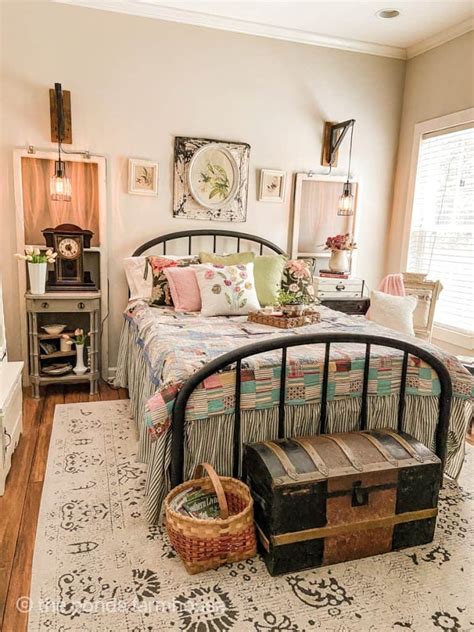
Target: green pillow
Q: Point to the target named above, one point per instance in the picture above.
(268, 273)
(227, 260)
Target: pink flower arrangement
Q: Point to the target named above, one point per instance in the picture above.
(341, 242)
(299, 269)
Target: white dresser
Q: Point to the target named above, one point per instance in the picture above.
(11, 404)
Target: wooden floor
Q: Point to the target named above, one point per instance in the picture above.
(20, 504)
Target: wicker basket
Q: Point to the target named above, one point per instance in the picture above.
(206, 544)
(308, 317)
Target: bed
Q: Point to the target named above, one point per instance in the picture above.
(202, 387)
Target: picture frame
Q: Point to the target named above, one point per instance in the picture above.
(142, 177)
(210, 179)
(272, 186)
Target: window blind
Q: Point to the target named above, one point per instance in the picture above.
(442, 229)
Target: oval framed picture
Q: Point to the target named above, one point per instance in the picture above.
(213, 176)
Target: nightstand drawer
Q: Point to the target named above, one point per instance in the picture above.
(43, 305)
(348, 306)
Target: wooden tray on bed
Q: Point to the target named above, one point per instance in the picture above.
(309, 317)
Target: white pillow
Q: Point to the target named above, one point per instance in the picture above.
(394, 312)
(134, 271)
(226, 290)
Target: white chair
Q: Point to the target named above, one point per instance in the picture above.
(427, 293)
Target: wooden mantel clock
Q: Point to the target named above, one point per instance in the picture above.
(69, 241)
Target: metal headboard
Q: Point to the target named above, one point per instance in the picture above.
(207, 232)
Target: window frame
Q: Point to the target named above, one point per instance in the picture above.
(443, 333)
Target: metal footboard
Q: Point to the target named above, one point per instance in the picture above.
(238, 355)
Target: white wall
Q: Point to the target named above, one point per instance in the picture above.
(438, 82)
(138, 82)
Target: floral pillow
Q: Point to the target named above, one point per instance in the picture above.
(160, 292)
(227, 290)
(298, 280)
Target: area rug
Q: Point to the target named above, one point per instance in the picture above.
(99, 566)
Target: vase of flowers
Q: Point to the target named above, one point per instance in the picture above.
(37, 267)
(340, 246)
(79, 340)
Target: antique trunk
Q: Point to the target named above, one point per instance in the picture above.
(333, 498)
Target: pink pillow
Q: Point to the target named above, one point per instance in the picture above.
(184, 289)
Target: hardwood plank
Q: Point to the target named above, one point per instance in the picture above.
(77, 395)
(20, 580)
(123, 393)
(55, 395)
(108, 393)
(11, 503)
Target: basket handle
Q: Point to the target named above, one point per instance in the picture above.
(216, 483)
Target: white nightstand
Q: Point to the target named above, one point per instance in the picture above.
(11, 406)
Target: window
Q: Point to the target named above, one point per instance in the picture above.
(441, 239)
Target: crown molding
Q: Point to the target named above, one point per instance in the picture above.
(440, 38)
(173, 14)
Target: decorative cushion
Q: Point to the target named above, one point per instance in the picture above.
(298, 280)
(160, 294)
(227, 290)
(227, 260)
(394, 312)
(184, 288)
(268, 273)
(139, 286)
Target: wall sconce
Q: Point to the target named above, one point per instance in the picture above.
(334, 134)
(60, 183)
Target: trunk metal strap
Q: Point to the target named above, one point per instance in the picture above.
(282, 457)
(358, 465)
(310, 450)
(378, 446)
(350, 528)
(404, 443)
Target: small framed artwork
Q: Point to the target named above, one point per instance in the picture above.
(272, 186)
(142, 177)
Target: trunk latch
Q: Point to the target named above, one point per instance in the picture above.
(360, 495)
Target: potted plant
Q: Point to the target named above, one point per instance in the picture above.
(79, 340)
(37, 265)
(291, 304)
(340, 246)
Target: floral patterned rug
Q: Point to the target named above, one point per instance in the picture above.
(99, 566)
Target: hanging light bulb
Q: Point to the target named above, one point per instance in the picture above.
(60, 184)
(346, 201)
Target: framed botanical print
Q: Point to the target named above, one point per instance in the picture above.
(210, 179)
(142, 177)
(272, 186)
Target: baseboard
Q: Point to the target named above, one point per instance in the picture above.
(111, 372)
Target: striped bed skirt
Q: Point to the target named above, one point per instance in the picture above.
(212, 439)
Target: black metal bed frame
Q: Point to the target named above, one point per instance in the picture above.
(209, 232)
(236, 357)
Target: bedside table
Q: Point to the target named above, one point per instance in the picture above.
(75, 310)
(348, 305)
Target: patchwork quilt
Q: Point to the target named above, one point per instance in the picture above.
(176, 345)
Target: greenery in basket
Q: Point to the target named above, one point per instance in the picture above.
(287, 298)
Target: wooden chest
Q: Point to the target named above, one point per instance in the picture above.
(333, 498)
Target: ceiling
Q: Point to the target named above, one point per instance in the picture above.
(350, 25)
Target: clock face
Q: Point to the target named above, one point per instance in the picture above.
(69, 248)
